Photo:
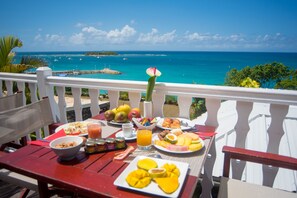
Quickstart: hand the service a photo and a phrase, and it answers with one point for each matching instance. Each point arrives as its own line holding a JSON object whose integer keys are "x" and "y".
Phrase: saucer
{"x": 120, "y": 134}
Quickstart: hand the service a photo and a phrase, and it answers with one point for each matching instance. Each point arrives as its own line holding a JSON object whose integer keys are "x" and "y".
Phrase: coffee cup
{"x": 127, "y": 129}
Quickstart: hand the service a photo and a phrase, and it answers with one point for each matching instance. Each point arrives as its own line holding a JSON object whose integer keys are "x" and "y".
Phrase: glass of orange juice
{"x": 144, "y": 139}
{"x": 94, "y": 130}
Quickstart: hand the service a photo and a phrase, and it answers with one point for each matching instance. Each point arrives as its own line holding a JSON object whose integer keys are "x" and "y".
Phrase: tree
{"x": 6, "y": 56}
{"x": 289, "y": 83}
{"x": 267, "y": 75}
{"x": 6, "y": 45}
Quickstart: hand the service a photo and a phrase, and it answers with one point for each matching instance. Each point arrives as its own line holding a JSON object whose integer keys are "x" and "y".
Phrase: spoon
{"x": 155, "y": 155}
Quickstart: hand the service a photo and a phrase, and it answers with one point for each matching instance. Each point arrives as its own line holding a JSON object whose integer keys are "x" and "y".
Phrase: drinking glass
{"x": 94, "y": 130}
{"x": 144, "y": 139}
{"x": 127, "y": 129}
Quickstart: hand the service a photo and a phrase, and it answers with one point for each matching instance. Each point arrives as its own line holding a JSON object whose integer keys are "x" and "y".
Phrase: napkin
{"x": 205, "y": 135}
{"x": 47, "y": 140}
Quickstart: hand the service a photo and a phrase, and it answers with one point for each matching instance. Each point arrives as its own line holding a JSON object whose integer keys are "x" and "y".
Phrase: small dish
{"x": 140, "y": 126}
{"x": 69, "y": 152}
{"x": 120, "y": 134}
{"x": 117, "y": 123}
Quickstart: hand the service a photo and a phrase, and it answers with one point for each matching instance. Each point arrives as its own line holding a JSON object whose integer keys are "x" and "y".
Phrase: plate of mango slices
{"x": 154, "y": 176}
{"x": 177, "y": 141}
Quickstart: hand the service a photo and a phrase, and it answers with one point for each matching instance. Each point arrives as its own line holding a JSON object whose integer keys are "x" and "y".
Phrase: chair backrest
{"x": 11, "y": 101}
{"x": 21, "y": 121}
{"x": 264, "y": 158}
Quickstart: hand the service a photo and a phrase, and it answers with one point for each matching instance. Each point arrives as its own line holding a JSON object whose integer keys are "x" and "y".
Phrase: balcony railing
{"x": 279, "y": 102}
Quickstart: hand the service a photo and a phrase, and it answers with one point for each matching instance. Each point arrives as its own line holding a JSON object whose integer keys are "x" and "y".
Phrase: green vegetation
{"x": 8, "y": 43}
{"x": 248, "y": 82}
{"x": 107, "y": 53}
{"x": 6, "y": 55}
{"x": 270, "y": 75}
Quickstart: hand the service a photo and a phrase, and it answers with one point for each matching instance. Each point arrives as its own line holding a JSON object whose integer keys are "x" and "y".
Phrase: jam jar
{"x": 110, "y": 143}
{"x": 100, "y": 145}
{"x": 120, "y": 143}
{"x": 90, "y": 146}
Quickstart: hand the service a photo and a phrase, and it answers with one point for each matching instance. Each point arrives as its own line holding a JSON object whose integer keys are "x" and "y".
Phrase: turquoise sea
{"x": 176, "y": 67}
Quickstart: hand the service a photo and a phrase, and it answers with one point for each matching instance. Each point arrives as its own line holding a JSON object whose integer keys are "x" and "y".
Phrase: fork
{"x": 183, "y": 123}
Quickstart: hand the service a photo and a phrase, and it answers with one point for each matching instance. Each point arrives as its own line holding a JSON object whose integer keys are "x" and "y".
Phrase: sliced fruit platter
{"x": 155, "y": 176}
{"x": 177, "y": 141}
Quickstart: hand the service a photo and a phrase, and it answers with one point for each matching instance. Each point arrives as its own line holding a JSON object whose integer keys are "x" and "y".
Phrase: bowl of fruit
{"x": 121, "y": 114}
{"x": 145, "y": 123}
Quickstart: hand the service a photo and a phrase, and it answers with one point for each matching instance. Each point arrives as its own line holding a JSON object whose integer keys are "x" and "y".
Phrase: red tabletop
{"x": 88, "y": 175}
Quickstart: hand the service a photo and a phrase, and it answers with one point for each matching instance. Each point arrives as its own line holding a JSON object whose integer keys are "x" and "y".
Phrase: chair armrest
{"x": 257, "y": 157}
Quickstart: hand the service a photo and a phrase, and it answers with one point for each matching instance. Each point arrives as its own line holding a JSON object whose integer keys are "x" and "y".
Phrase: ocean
{"x": 176, "y": 67}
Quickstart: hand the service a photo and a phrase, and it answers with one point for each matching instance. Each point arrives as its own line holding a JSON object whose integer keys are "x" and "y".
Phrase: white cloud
{"x": 113, "y": 36}
{"x": 154, "y": 37}
{"x": 80, "y": 25}
{"x": 38, "y": 37}
{"x": 54, "y": 38}
{"x": 126, "y": 31}
{"x": 203, "y": 37}
{"x": 77, "y": 39}
{"x": 236, "y": 37}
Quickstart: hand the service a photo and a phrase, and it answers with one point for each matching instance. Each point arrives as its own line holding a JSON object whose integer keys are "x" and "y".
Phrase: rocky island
{"x": 103, "y": 53}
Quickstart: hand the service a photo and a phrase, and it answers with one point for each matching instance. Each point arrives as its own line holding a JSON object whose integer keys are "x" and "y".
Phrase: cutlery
{"x": 156, "y": 155}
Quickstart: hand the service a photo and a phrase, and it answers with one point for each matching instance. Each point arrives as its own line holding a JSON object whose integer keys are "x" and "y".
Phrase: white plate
{"x": 189, "y": 123}
{"x": 153, "y": 188}
{"x": 72, "y": 125}
{"x": 120, "y": 134}
{"x": 117, "y": 123}
{"x": 155, "y": 137}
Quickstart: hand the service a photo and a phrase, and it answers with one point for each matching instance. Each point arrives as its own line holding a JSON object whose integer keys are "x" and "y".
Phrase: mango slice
{"x": 138, "y": 178}
{"x": 171, "y": 170}
{"x": 167, "y": 184}
{"x": 146, "y": 164}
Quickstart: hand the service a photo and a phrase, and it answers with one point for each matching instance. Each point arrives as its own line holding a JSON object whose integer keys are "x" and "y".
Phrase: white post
{"x": 46, "y": 90}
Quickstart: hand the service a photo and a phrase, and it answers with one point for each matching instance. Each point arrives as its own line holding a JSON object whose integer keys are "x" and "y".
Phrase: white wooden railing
{"x": 279, "y": 101}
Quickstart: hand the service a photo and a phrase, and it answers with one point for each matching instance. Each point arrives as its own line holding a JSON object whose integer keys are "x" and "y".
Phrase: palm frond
{"x": 7, "y": 43}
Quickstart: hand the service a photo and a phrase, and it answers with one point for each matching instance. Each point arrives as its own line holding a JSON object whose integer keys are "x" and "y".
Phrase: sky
{"x": 154, "y": 25}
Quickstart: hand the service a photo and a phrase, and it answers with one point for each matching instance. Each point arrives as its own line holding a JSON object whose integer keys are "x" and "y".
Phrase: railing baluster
{"x": 33, "y": 97}
{"x": 212, "y": 106}
{"x": 33, "y": 92}
{"x": 158, "y": 104}
{"x": 184, "y": 104}
{"x": 275, "y": 133}
{"x": 241, "y": 128}
{"x": 9, "y": 87}
{"x": 76, "y": 92}
{"x": 134, "y": 99}
{"x": 94, "y": 94}
{"x": 1, "y": 88}
{"x": 62, "y": 104}
{"x": 113, "y": 98}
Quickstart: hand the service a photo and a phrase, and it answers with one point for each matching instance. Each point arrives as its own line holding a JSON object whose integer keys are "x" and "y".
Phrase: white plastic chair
{"x": 233, "y": 188}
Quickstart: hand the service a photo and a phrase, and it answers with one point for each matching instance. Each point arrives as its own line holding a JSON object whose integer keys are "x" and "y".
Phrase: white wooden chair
{"x": 232, "y": 188}
{"x": 17, "y": 124}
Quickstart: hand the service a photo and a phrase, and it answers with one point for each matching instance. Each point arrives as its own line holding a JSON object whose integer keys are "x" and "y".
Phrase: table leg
{"x": 43, "y": 189}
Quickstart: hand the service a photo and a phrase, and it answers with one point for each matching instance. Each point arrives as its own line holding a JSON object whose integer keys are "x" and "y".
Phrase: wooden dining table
{"x": 93, "y": 175}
